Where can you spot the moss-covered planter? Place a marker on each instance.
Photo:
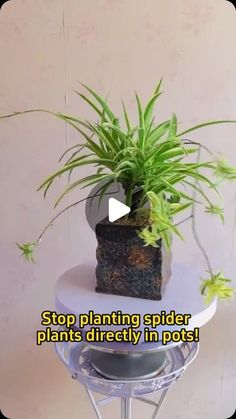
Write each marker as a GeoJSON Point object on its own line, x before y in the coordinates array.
{"type": "Point", "coordinates": [127, 267]}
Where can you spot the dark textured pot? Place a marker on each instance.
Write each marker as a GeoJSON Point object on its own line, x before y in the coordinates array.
{"type": "Point", "coordinates": [127, 267]}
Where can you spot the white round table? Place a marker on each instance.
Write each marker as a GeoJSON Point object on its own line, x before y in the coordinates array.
{"type": "Point", "coordinates": [75, 294]}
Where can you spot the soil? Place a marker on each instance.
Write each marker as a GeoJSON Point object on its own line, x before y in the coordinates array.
{"type": "Point", "coordinates": [142, 221]}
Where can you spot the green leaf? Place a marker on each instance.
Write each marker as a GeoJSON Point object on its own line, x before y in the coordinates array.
{"type": "Point", "coordinates": [74, 165]}
{"type": "Point", "coordinates": [198, 189]}
{"type": "Point", "coordinates": [157, 90]}
{"type": "Point", "coordinates": [214, 286]}
{"type": "Point", "coordinates": [140, 112]}
{"type": "Point", "coordinates": [176, 208]}
{"type": "Point", "coordinates": [149, 237]}
{"type": "Point", "coordinates": [115, 128]}
{"type": "Point", "coordinates": [223, 170]}
{"type": "Point", "coordinates": [148, 111]}
{"type": "Point", "coordinates": [126, 117]}
{"type": "Point", "coordinates": [103, 191]}
{"type": "Point", "coordinates": [173, 127]}
{"type": "Point", "coordinates": [196, 175]}
{"type": "Point", "coordinates": [88, 180]}
{"type": "Point", "coordinates": [157, 133]}
{"type": "Point", "coordinates": [27, 250]}
{"type": "Point", "coordinates": [141, 122]}
{"type": "Point", "coordinates": [69, 119]}
{"type": "Point", "coordinates": [216, 210]}
{"type": "Point", "coordinates": [205, 124]}
{"type": "Point", "coordinates": [102, 102]}
{"type": "Point", "coordinates": [106, 138]}
{"type": "Point", "coordinates": [71, 148]}
{"type": "Point", "coordinates": [97, 110]}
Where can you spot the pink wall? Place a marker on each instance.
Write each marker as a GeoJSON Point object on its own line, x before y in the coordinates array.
{"type": "Point", "coordinates": [46, 48]}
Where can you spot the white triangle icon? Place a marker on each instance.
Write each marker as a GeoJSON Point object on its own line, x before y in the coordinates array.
{"type": "Point", "coordinates": [116, 209]}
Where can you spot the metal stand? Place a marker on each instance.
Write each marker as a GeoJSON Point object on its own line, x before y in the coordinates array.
{"type": "Point", "coordinates": [77, 358]}
{"type": "Point", "coordinates": [126, 408]}
{"type": "Point", "coordinates": [126, 404]}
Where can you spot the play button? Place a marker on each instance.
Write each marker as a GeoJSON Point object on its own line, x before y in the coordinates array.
{"type": "Point", "coordinates": [110, 206]}
{"type": "Point", "coordinates": [116, 209]}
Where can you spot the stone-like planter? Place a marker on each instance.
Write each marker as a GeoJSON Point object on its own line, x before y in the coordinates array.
{"type": "Point", "coordinates": [127, 267]}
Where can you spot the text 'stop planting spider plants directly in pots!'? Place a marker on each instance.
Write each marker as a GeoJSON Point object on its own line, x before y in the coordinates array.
{"type": "Point", "coordinates": [162, 172]}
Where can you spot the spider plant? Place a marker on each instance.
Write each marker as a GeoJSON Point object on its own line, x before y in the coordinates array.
{"type": "Point", "coordinates": [150, 159]}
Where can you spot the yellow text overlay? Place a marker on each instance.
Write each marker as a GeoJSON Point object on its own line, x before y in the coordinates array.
{"type": "Point", "coordinates": [129, 327]}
